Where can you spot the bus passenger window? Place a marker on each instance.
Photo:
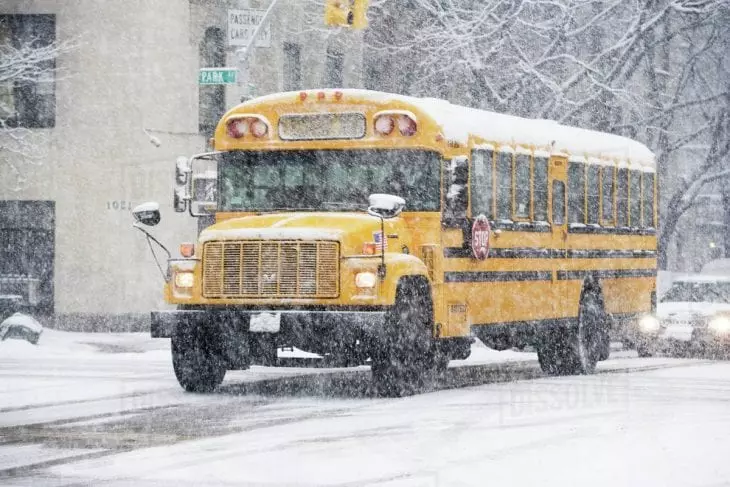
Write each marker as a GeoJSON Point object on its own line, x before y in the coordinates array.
{"type": "Point", "coordinates": [522, 186]}
{"type": "Point", "coordinates": [576, 193]}
{"type": "Point", "coordinates": [539, 189]}
{"type": "Point", "coordinates": [622, 198]}
{"type": "Point", "coordinates": [481, 183]}
{"type": "Point", "coordinates": [607, 195]}
{"type": "Point", "coordinates": [504, 186]}
{"type": "Point", "coordinates": [558, 203]}
{"type": "Point", "coordinates": [635, 199]}
{"type": "Point", "coordinates": [648, 183]}
{"type": "Point", "coordinates": [594, 197]}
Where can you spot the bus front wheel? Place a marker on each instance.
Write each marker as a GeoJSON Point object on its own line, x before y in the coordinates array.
{"type": "Point", "coordinates": [575, 349]}
{"type": "Point", "coordinates": [196, 358]}
{"type": "Point", "coordinates": [405, 350]}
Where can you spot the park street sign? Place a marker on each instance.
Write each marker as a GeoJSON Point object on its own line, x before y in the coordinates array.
{"type": "Point", "coordinates": [218, 76]}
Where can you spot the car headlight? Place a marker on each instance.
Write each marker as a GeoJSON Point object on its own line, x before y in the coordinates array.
{"type": "Point", "coordinates": [365, 280]}
{"type": "Point", "coordinates": [720, 324]}
{"type": "Point", "coordinates": [184, 279]}
{"type": "Point", "coordinates": [648, 324]}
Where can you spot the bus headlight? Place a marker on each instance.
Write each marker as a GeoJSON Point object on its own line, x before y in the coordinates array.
{"type": "Point", "coordinates": [720, 325]}
{"type": "Point", "coordinates": [648, 324]}
{"type": "Point", "coordinates": [184, 279]}
{"type": "Point", "coordinates": [365, 280]}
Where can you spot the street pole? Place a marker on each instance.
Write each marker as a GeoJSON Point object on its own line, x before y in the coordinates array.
{"type": "Point", "coordinates": [243, 53]}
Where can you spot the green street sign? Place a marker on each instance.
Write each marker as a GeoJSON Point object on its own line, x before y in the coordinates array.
{"type": "Point", "coordinates": [218, 76]}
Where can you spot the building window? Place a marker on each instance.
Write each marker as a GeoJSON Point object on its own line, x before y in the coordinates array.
{"type": "Point", "coordinates": [540, 186]}
{"type": "Point", "coordinates": [576, 192]}
{"type": "Point", "coordinates": [212, 101]}
{"type": "Point", "coordinates": [481, 183]}
{"type": "Point", "coordinates": [504, 186]}
{"type": "Point", "coordinates": [522, 186]}
{"type": "Point", "coordinates": [593, 193]}
{"type": "Point", "coordinates": [29, 102]}
{"type": "Point", "coordinates": [333, 68]}
{"type": "Point", "coordinates": [292, 67]}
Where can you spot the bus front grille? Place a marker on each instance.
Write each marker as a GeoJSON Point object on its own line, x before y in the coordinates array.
{"type": "Point", "coordinates": [271, 269]}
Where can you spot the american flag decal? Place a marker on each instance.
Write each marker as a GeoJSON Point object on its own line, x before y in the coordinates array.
{"type": "Point", "coordinates": [381, 243]}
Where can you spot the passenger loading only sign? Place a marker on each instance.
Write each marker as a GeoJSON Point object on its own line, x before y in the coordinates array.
{"type": "Point", "coordinates": [243, 23]}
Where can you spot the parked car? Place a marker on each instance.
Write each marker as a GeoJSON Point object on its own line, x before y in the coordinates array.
{"type": "Point", "coordinates": [693, 315]}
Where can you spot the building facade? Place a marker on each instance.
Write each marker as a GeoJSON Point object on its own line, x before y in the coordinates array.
{"type": "Point", "coordinates": [128, 78]}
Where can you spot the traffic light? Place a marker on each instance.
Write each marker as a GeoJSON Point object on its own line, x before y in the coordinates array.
{"type": "Point", "coordinates": [346, 13]}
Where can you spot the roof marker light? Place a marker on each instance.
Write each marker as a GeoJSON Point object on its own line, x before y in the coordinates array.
{"type": "Point", "coordinates": [406, 125]}
{"type": "Point", "coordinates": [338, 95]}
{"type": "Point", "coordinates": [384, 125]}
{"type": "Point", "coordinates": [302, 95]}
{"type": "Point", "coordinates": [320, 95]}
{"type": "Point", "coordinates": [258, 127]}
{"type": "Point", "coordinates": [237, 128]}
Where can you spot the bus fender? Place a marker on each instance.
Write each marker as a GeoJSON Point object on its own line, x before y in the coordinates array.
{"type": "Point", "coordinates": [398, 266]}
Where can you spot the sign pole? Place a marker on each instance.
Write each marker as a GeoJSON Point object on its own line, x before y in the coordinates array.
{"type": "Point", "coordinates": [243, 52]}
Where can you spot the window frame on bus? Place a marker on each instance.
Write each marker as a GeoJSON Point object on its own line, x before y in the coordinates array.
{"type": "Point", "coordinates": [608, 167]}
{"type": "Point", "coordinates": [593, 166]}
{"type": "Point", "coordinates": [635, 200]}
{"type": "Point", "coordinates": [622, 195]}
{"type": "Point", "coordinates": [474, 187]}
{"type": "Point", "coordinates": [648, 174]}
{"type": "Point", "coordinates": [498, 194]}
{"type": "Point", "coordinates": [580, 164]}
{"type": "Point", "coordinates": [522, 153]}
{"type": "Point", "coordinates": [544, 157]}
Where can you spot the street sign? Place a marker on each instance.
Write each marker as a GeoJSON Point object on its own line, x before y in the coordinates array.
{"type": "Point", "coordinates": [243, 23]}
{"type": "Point", "coordinates": [218, 76]}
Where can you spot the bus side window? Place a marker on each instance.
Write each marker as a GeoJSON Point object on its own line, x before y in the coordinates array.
{"type": "Point", "coordinates": [576, 192]}
{"type": "Point", "coordinates": [481, 183]}
{"type": "Point", "coordinates": [607, 188]}
{"type": "Point", "coordinates": [540, 186]}
{"type": "Point", "coordinates": [558, 203]}
{"type": "Point", "coordinates": [635, 199]}
{"type": "Point", "coordinates": [593, 193]}
{"type": "Point", "coordinates": [648, 192]}
{"type": "Point", "coordinates": [622, 198]}
{"type": "Point", "coordinates": [504, 186]}
{"type": "Point", "coordinates": [521, 183]}
{"type": "Point", "coordinates": [456, 176]}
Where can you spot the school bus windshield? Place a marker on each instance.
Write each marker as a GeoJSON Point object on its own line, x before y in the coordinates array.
{"type": "Point", "coordinates": [328, 180]}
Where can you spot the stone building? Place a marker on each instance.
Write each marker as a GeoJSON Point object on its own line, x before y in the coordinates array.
{"type": "Point", "coordinates": [131, 78]}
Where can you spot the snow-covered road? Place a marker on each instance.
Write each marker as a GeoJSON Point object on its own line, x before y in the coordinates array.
{"type": "Point", "coordinates": [106, 410]}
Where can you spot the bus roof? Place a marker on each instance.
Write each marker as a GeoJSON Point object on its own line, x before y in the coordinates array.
{"type": "Point", "coordinates": [458, 123]}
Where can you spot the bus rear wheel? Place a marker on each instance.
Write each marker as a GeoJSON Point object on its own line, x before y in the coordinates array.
{"type": "Point", "coordinates": [576, 348]}
{"type": "Point", "coordinates": [405, 350]}
{"type": "Point", "coordinates": [196, 358]}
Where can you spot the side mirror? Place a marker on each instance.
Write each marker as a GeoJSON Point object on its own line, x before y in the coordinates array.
{"type": "Point", "coordinates": [455, 199]}
{"type": "Point", "coordinates": [179, 201]}
{"type": "Point", "coordinates": [147, 213]}
{"type": "Point", "coordinates": [385, 205]}
{"type": "Point", "coordinates": [182, 169]}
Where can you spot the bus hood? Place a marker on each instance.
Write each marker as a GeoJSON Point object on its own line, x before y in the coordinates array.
{"type": "Point", "coordinates": [350, 229]}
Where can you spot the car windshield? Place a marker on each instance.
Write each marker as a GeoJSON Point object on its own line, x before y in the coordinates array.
{"type": "Point", "coordinates": [698, 292]}
{"type": "Point", "coordinates": [327, 180]}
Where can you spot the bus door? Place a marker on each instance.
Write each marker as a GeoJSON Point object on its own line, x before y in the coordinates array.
{"type": "Point", "coordinates": [557, 177]}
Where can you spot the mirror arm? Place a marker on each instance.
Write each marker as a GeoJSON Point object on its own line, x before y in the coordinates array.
{"type": "Point", "coordinates": [381, 267]}
{"type": "Point", "coordinates": [150, 239]}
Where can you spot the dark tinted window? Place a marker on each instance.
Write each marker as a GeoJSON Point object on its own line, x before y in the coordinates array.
{"type": "Point", "coordinates": [607, 195]}
{"type": "Point", "coordinates": [558, 202]}
{"type": "Point", "coordinates": [481, 183]}
{"type": "Point", "coordinates": [522, 186]}
{"type": "Point", "coordinates": [593, 193]}
{"type": "Point", "coordinates": [540, 187]}
{"type": "Point", "coordinates": [635, 198]}
{"type": "Point", "coordinates": [30, 100]}
{"type": "Point", "coordinates": [622, 198]}
{"type": "Point", "coordinates": [576, 193]}
{"type": "Point", "coordinates": [648, 183]}
{"type": "Point", "coordinates": [504, 185]}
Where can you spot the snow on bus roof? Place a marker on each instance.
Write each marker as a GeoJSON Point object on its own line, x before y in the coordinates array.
{"type": "Point", "coordinates": [458, 122]}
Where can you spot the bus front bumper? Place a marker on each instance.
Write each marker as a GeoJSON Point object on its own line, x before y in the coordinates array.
{"type": "Point", "coordinates": [163, 323]}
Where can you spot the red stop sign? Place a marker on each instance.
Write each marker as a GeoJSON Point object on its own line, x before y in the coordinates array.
{"type": "Point", "coordinates": [480, 231]}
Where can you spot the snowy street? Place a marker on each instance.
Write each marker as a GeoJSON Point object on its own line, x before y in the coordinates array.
{"type": "Point", "coordinates": [84, 409]}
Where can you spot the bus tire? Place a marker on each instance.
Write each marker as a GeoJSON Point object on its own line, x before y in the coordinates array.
{"type": "Point", "coordinates": [196, 358]}
{"type": "Point", "coordinates": [405, 351]}
{"type": "Point", "coordinates": [575, 349]}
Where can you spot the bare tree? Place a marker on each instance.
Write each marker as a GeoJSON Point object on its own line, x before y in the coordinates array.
{"type": "Point", "coordinates": [654, 70]}
{"type": "Point", "coordinates": [23, 65]}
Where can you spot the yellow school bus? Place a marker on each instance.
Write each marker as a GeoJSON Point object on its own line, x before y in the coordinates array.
{"type": "Point", "coordinates": [377, 228]}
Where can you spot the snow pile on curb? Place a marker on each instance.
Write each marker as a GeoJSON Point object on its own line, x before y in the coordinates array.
{"type": "Point", "coordinates": [21, 326]}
